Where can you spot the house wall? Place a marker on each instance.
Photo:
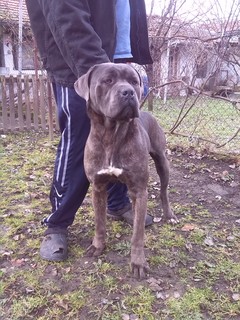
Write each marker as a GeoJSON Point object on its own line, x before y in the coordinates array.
{"type": "Point", "coordinates": [8, 63]}
{"type": "Point", "coordinates": [9, 18]}
{"type": "Point", "coordinates": [185, 68]}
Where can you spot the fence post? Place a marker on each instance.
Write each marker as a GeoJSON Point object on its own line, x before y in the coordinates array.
{"type": "Point", "coordinates": [35, 102]}
{"type": "Point", "coordinates": [20, 102]}
{"type": "Point", "coordinates": [4, 104]}
{"type": "Point", "coordinates": [42, 102]}
{"type": "Point", "coordinates": [11, 102]}
{"type": "Point", "coordinates": [50, 109]}
{"type": "Point", "coordinates": [27, 101]}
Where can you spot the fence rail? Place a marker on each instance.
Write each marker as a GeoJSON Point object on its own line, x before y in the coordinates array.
{"type": "Point", "coordinates": [26, 102]}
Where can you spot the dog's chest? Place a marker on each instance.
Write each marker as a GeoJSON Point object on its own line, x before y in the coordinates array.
{"type": "Point", "coordinates": [115, 155]}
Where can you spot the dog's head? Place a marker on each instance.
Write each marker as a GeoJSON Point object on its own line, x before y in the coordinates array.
{"type": "Point", "coordinates": [113, 90]}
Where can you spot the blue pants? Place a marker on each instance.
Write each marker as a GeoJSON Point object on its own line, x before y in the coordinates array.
{"type": "Point", "coordinates": [70, 183]}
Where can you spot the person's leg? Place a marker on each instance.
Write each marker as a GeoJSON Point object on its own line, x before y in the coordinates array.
{"type": "Point", "coordinates": [117, 196]}
{"type": "Point", "coordinates": [70, 183]}
{"type": "Point", "coordinates": [119, 206]}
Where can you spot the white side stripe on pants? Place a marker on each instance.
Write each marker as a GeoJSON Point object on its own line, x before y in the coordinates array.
{"type": "Point", "coordinates": [66, 138]}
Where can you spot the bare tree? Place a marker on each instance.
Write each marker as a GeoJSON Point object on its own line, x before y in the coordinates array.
{"type": "Point", "coordinates": [196, 52]}
{"type": "Point", "coordinates": [203, 36]}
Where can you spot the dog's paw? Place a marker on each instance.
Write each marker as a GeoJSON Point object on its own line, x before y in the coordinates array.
{"type": "Point", "coordinates": [170, 217]}
{"type": "Point", "coordinates": [92, 251]}
{"type": "Point", "coordinates": [139, 271]}
{"type": "Point", "coordinates": [173, 220]}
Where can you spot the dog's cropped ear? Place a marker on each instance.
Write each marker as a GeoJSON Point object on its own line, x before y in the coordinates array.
{"type": "Point", "coordinates": [82, 85]}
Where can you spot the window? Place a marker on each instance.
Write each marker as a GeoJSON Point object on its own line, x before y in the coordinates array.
{"type": "Point", "coordinates": [201, 65]}
{"type": "Point", "coordinates": [173, 63]}
{"type": "Point", "coordinates": [2, 64]}
{"type": "Point", "coordinates": [27, 55]}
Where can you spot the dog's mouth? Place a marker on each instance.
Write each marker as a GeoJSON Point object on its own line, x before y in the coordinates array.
{"type": "Point", "coordinates": [129, 108]}
{"type": "Point", "coordinates": [129, 111]}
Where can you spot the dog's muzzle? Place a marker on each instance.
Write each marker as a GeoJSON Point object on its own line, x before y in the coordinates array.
{"type": "Point", "coordinates": [129, 105]}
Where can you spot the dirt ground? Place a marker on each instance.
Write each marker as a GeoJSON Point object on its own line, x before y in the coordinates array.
{"type": "Point", "coordinates": [195, 265]}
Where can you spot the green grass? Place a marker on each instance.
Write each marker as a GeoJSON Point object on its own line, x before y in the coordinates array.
{"type": "Point", "coordinates": [204, 277]}
{"type": "Point", "coordinates": [192, 303]}
{"type": "Point", "coordinates": [210, 119]}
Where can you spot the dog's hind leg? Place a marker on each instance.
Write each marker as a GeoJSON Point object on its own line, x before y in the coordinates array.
{"type": "Point", "coordinates": [99, 197]}
{"type": "Point", "coordinates": [162, 168]}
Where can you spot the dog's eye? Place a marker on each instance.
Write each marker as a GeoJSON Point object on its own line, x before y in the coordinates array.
{"type": "Point", "coordinates": [108, 81]}
{"type": "Point", "coordinates": [134, 82]}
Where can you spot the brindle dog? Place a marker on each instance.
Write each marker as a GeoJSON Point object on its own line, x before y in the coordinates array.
{"type": "Point", "coordinates": [118, 147]}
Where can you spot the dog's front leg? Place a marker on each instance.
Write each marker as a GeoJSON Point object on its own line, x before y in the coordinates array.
{"type": "Point", "coordinates": [99, 198]}
{"type": "Point", "coordinates": [139, 265]}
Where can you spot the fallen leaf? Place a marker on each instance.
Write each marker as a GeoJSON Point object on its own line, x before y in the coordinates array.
{"type": "Point", "coordinates": [236, 296]}
{"type": "Point", "coordinates": [209, 241]}
{"type": "Point", "coordinates": [17, 262]}
{"type": "Point", "coordinates": [129, 317]}
{"type": "Point", "coordinates": [16, 237]}
{"type": "Point", "coordinates": [62, 304]}
{"type": "Point", "coordinates": [176, 295]}
{"type": "Point", "coordinates": [233, 184]}
{"type": "Point", "coordinates": [7, 253]}
{"type": "Point", "coordinates": [160, 295]}
{"type": "Point", "coordinates": [29, 290]}
{"type": "Point", "coordinates": [226, 176]}
{"type": "Point", "coordinates": [54, 272]}
{"type": "Point", "coordinates": [209, 264]}
{"type": "Point", "coordinates": [230, 238]}
{"type": "Point", "coordinates": [189, 227]}
{"type": "Point", "coordinates": [188, 246]}
{"type": "Point", "coordinates": [134, 317]}
{"type": "Point", "coordinates": [173, 263]}
{"type": "Point", "coordinates": [104, 301]}
{"type": "Point", "coordinates": [154, 284]}
{"type": "Point", "coordinates": [67, 270]}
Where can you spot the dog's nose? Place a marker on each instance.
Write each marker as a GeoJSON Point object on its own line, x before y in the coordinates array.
{"type": "Point", "coordinates": [128, 93]}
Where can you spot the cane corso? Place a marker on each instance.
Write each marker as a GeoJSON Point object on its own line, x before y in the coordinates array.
{"type": "Point", "coordinates": [118, 147]}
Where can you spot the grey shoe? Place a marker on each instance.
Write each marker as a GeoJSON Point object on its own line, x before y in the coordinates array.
{"type": "Point", "coordinates": [54, 245]}
{"type": "Point", "coordinates": [126, 214]}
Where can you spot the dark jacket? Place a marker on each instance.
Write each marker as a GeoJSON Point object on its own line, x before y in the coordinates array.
{"type": "Point", "coordinates": [73, 35]}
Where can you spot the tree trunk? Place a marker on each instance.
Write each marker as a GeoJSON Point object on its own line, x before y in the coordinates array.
{"type": "Point", "coordinates": [149, 71]}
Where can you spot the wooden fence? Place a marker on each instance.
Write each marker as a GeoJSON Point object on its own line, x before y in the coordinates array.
{"type": "Point", "coordinates": [27, 102]}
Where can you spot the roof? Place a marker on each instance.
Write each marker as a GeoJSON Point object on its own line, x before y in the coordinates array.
{"type": "Point", "coordinates": [209, 30]}
{"type": "Point", "coordinates": [9, 10]}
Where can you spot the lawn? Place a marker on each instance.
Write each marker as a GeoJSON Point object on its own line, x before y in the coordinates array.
{"type": "Point", "coordinates": [215, 121]}
{"type": "Point", "coordinates": [195, 265]}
